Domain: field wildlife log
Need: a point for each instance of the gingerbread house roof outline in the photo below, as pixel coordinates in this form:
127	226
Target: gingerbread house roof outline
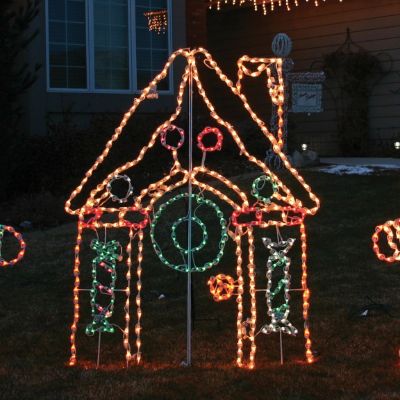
190	55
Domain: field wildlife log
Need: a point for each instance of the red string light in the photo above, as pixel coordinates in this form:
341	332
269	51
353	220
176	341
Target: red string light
262	217
164	134
210	131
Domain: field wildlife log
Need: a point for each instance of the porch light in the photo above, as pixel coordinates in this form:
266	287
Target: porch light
397	145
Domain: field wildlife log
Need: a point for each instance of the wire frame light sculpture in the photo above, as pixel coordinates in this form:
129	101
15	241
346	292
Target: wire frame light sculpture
144	208
265	5
22	246
157	21
392	231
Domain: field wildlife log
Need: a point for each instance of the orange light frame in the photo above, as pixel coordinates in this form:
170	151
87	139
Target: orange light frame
392	230
283	200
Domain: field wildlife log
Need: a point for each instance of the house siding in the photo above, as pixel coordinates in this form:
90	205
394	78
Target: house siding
317	31
196	12
39	104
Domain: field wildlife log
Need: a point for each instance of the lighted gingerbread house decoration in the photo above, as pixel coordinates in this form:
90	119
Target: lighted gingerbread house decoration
237	212
276	211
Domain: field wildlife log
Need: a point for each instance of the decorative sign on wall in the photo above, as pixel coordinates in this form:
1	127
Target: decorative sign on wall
306	90
189	196
306	98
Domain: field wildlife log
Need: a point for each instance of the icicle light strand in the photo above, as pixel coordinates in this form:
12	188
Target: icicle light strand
264	5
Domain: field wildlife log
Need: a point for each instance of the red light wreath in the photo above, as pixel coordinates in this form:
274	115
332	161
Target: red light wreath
210	131
164	134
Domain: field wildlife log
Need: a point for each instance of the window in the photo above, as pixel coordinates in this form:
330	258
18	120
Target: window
104	45
111	44
67	43
152	49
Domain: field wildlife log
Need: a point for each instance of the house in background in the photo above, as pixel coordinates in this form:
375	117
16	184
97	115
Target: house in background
97	55
316	32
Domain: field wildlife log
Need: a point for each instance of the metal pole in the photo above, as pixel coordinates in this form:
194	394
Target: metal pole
98	350
189	237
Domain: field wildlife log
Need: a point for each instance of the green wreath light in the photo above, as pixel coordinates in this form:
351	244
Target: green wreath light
200	201
197	221
259	184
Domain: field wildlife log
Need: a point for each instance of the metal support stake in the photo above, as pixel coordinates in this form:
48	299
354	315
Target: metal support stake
98	350
189	237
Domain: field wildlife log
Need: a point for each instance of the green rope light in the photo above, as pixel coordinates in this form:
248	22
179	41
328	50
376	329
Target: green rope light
259	184
197	221
107	256
200	202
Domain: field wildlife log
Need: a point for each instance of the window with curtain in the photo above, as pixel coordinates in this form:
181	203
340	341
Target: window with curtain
104	45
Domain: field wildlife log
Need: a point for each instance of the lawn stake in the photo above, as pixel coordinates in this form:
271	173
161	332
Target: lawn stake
98	349
189	221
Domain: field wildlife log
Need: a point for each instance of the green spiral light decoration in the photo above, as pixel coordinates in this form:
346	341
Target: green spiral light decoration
199	201
107	256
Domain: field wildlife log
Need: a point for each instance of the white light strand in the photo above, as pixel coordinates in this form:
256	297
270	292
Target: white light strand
266	5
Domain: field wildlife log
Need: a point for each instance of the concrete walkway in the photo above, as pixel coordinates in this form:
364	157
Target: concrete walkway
364	161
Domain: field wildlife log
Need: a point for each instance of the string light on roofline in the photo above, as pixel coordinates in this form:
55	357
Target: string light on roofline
264	5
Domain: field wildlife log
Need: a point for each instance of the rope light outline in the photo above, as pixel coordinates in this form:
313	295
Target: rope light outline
22	246
392	230
286	196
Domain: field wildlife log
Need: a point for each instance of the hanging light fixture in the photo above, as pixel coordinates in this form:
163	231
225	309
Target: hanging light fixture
265	5
157	20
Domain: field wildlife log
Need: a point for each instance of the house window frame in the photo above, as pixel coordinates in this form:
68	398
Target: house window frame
90	68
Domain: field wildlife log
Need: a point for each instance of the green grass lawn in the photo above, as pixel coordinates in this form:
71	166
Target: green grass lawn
357	356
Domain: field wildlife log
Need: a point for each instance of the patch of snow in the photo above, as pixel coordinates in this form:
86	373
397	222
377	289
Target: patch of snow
347	170
384	166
